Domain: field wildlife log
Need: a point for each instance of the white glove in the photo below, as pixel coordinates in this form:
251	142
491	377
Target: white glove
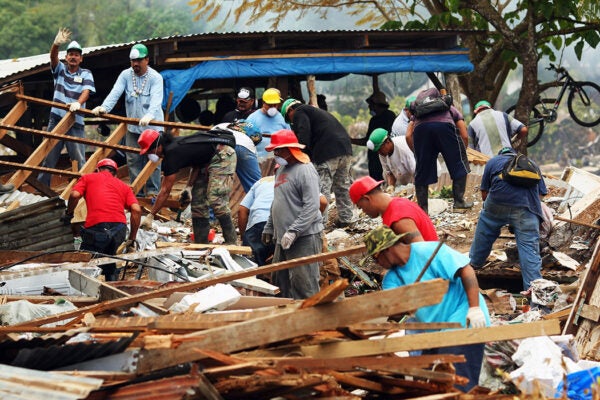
75	106
147	221
287	239
99	110
475	317
145	120
62	36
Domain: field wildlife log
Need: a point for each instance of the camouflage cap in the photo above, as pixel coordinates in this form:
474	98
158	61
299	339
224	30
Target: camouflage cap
379	239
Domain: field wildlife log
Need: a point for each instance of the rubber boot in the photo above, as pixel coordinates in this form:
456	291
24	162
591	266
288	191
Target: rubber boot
422	193
228	230
201	228
458	192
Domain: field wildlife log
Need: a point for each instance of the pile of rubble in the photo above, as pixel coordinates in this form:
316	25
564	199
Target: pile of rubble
197	321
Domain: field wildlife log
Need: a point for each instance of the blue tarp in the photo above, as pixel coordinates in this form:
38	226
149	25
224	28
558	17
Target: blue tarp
350	62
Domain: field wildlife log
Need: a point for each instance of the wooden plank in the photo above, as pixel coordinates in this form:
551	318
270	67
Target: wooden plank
13	116
327	295
431	340
591	313
233	249
113	117
100	153
367	384
191	286
387	363
40	153
288	325
18	256
395	326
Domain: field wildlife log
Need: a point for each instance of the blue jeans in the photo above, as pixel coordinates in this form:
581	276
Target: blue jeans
76	150
136	162
252	238
527	234
471	368
247	168
105	238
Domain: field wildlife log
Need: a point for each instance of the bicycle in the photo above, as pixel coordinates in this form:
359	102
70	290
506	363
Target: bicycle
583	104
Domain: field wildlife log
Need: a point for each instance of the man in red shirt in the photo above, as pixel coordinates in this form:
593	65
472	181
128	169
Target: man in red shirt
105	226
400	214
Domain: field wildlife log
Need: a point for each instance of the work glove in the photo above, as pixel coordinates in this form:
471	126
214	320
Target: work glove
130	246
62	36
475	317
147	221
66	218
98	110
266	238
75	106
185	198
287	239
145	120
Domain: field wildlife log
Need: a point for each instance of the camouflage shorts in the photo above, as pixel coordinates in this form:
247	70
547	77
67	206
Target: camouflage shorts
214	184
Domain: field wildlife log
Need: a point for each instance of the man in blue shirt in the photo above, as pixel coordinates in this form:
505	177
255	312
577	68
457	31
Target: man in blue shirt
507	204
268	119
72	86
462	303
253	214
143	88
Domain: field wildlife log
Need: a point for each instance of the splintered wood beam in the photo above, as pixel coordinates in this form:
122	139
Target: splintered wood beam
327	295
191	286
387	363
363	383
180	349
431	340
233	249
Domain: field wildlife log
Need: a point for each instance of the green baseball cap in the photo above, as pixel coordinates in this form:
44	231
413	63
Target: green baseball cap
379	239
138	51
376	139
409	101
482	104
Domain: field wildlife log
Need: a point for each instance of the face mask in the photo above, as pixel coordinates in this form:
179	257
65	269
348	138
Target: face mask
281	161
153	157
271	112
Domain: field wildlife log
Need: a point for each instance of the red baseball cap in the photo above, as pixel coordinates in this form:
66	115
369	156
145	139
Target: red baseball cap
362	186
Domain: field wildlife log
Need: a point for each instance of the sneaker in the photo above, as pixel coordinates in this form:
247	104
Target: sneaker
8	188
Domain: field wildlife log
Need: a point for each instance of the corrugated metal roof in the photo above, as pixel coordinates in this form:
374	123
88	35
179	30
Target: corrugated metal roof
19	65
35	226
22	383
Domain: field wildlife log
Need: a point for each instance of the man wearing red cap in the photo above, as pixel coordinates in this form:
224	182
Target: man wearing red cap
295	222
400	214
105	228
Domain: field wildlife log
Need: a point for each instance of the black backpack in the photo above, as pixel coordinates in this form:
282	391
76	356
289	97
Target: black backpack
521	171
430	102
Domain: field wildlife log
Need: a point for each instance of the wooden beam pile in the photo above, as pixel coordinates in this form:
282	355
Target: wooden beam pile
320	347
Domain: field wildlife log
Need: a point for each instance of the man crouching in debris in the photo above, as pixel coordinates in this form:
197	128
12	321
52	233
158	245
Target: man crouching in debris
211	155
295	222
400	214
409	263
514	205
106	197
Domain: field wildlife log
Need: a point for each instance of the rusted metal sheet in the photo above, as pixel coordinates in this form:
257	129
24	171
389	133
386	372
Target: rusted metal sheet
35	227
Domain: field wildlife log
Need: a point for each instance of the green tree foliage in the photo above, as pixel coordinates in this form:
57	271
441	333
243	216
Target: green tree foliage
517	31
28	27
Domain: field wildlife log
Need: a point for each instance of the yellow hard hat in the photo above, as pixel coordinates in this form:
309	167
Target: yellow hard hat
272	96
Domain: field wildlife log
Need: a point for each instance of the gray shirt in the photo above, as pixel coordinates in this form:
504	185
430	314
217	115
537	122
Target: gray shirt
296	202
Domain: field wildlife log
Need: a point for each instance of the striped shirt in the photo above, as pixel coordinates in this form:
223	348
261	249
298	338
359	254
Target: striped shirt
491	130
68	88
